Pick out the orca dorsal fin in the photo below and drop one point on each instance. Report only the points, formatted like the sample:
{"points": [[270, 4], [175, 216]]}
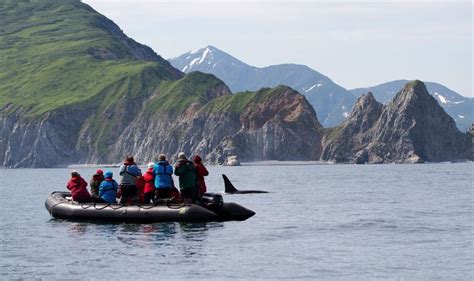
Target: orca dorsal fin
{"points": [[229, 187]]}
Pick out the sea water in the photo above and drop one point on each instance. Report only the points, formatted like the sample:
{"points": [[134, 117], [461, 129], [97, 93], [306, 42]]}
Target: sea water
{"points": [[318, 222]]}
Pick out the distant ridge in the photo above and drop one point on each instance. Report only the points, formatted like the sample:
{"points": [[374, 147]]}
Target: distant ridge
{"points": [[331, 101]]}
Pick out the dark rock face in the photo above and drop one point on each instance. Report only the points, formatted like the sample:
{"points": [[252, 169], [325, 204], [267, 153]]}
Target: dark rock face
{"points": [[412, 128], [352, 136], [284, 127], [460, 108], [281, 127]]}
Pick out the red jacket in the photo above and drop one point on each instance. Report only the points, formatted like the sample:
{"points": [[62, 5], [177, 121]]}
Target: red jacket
{"points": [[149, 181], [77, 186], [140, 187], [201, 173]]}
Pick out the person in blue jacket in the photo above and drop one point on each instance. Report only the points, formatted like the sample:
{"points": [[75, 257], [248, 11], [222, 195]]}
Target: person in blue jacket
{"points": [[163, 172], [108, 188]]}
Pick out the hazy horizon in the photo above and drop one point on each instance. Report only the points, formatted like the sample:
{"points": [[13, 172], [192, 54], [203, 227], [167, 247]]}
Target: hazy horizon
{"points": [[356, 44]]}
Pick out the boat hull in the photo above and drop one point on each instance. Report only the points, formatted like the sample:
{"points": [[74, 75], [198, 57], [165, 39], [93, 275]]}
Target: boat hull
{"points": [[60, 207]]}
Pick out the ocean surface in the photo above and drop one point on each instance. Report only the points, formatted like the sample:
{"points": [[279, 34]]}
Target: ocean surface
{"points": [[344, 222]]}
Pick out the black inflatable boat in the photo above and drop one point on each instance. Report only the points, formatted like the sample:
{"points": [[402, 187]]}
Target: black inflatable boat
{"points": [[60, 206]]}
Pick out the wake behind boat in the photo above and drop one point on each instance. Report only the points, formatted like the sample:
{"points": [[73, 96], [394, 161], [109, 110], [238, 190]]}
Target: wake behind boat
{"points": [[60, 206]]}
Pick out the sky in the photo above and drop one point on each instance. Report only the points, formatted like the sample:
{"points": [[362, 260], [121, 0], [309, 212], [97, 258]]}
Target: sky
{"points": [[356, 44]]}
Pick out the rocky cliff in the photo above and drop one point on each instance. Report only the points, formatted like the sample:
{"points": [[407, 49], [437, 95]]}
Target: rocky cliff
{"points": [[275, 123], [75, 89], [460, 108], [412, 128]]}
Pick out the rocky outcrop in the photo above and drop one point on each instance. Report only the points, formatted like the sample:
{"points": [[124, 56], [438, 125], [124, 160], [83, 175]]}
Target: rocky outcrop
{"points": [[347, 143], [281, 126], [272, 124], [412, 128]]}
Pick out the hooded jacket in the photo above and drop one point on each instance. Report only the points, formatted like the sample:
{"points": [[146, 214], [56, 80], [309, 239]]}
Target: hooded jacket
{"points": [[163, 172], [149, 178], [129, 173], [108, 189], [77, 186], [187, 174], [95, 183], [201, 173]]}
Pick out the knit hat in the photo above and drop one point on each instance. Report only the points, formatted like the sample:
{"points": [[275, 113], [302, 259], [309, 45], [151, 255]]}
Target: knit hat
{"points": [[182, 156], [99, 171], [151, 164], [108, 175]]}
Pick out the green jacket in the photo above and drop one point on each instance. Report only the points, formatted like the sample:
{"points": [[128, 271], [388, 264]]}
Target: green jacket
{"points": [[187, 174]]}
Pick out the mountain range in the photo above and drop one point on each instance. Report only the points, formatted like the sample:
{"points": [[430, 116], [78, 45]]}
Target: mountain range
{"points": [[75, 89], [332, 102]]}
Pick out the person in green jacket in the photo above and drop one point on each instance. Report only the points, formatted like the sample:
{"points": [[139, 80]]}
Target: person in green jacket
{"points": [[187, 174]]}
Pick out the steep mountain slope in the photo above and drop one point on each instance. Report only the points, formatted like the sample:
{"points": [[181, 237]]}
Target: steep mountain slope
{"points": [[75, 89], [56, 53], [460, 108], [411, 128], [331, 102]]}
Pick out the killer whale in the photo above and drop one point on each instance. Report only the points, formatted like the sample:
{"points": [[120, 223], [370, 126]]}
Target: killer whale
{"points": [[230, 188]]}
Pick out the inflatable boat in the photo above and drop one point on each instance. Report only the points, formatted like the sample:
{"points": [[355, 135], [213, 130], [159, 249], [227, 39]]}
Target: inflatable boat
{"points": [[213, 208]]}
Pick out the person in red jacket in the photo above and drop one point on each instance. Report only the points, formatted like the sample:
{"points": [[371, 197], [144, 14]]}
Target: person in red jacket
{"points": [[149, 189], [77, 185], [201, 173]]}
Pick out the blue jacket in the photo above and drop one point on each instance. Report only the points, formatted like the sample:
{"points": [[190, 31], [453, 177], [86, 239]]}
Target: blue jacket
{"points": [[163, 171], [108, 190]]}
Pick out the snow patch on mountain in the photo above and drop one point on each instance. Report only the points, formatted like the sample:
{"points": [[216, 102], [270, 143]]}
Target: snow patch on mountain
{"points": [[204, 55], [310, 88], [441, 98]]}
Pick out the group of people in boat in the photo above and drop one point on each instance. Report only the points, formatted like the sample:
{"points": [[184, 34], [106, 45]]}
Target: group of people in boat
{"points": [[134, 187]]}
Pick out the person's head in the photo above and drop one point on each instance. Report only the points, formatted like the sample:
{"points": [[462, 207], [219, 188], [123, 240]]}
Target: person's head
{"points": [[197, 159], [182, 156], [75, 174], [162, 157], [108, 175], [150, 165], [99, 172], [129, 159]]}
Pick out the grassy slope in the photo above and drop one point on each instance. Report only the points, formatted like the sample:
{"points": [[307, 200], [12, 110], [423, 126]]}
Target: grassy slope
{"points": [[238, 102], [46, 60], [175, 96]]}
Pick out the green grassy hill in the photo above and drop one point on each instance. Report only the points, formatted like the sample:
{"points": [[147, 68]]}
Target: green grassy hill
{"points": [[75, 89], [57, 53]]}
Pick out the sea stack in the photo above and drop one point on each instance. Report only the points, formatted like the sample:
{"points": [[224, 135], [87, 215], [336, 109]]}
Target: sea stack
{"points": [[412, 128]]}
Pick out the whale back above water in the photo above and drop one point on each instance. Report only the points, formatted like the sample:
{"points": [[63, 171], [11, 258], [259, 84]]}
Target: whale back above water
{"points": [[230, 188]]}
